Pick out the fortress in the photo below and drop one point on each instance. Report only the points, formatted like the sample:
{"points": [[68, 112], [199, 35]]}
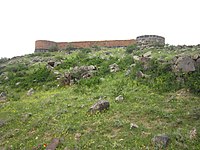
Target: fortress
{"points": [[145, 40]]}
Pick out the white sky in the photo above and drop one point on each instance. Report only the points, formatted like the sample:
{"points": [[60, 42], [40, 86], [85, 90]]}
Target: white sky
{"points": [[24, 21]]}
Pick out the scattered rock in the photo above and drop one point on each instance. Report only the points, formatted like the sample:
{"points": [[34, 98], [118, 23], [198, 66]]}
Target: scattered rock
{"points": [[77, 136], [127, 72], [144, 60], [2, 123], [147, 54], [18, 83], [196, 56], [132, 65], [66, 79], [140, 74], [83, 72], [119, 98], [114, 68], [193, 133], [54, 143], [26, 116], [99, 106], [108, 53], [197, 63], [136, 58], [51, 63], [30, 92], [161, 141], [133, 125], [3, 96]]}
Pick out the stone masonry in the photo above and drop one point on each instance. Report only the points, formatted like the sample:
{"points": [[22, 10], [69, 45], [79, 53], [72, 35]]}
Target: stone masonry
{"points": [[45, 46]]}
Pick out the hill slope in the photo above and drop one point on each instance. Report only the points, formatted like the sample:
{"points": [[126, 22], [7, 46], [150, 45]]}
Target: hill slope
{"points": [[48, 95]]}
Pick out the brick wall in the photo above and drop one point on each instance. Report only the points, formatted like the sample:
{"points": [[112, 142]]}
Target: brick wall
{"points": [[43, 45]]}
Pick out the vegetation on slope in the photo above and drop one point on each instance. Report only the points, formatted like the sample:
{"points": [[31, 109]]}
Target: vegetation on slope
{"points": [[157, 103]]}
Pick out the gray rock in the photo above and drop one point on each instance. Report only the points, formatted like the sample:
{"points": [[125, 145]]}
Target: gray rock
{"points": [[51, 63], [54, 143], [2, 123], [114, 67], [140, 74], [30, 92], [133, 125], [119, 98], [193, 133], [147, 54], [3, 96], [197, 63], [127, 72], [99, 106], [136, 58], [161, 141], [185, 64]]}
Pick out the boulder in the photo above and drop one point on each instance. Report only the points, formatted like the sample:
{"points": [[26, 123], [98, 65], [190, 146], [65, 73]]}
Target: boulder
{"points": [[185, 64], [99, 106]]}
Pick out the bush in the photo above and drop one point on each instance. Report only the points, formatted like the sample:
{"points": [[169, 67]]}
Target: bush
{"points": [[131, 48], [53, 49], [3, 59], [70, 48]]}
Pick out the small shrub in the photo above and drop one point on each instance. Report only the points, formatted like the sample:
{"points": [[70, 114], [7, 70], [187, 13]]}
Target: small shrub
{"points": [[86, 50], [3, 59], [131, 48], [70, 48], [96, 48], [53, 49]]}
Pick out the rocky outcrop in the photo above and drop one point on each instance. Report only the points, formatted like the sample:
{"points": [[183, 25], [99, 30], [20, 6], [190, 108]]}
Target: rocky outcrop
{"points": [[77, 73]]}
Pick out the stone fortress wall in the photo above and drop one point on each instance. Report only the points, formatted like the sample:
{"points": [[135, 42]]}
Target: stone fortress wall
{"points": [[45, 46]]}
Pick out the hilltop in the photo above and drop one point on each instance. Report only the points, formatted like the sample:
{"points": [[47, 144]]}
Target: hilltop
{"points": [[153, 95]]}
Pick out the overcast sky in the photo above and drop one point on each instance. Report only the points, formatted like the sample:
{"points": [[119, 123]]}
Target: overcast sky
{"points": [[24, 21]]}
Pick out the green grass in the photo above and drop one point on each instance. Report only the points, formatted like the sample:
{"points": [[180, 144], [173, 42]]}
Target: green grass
{"points": [[61, 112]]}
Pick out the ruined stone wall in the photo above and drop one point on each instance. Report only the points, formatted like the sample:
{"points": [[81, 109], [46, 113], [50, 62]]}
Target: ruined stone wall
{"points": [[150, 40], [43, 46]]}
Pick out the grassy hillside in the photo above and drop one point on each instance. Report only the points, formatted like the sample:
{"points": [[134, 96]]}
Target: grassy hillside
{"points": [[157, 103]]}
